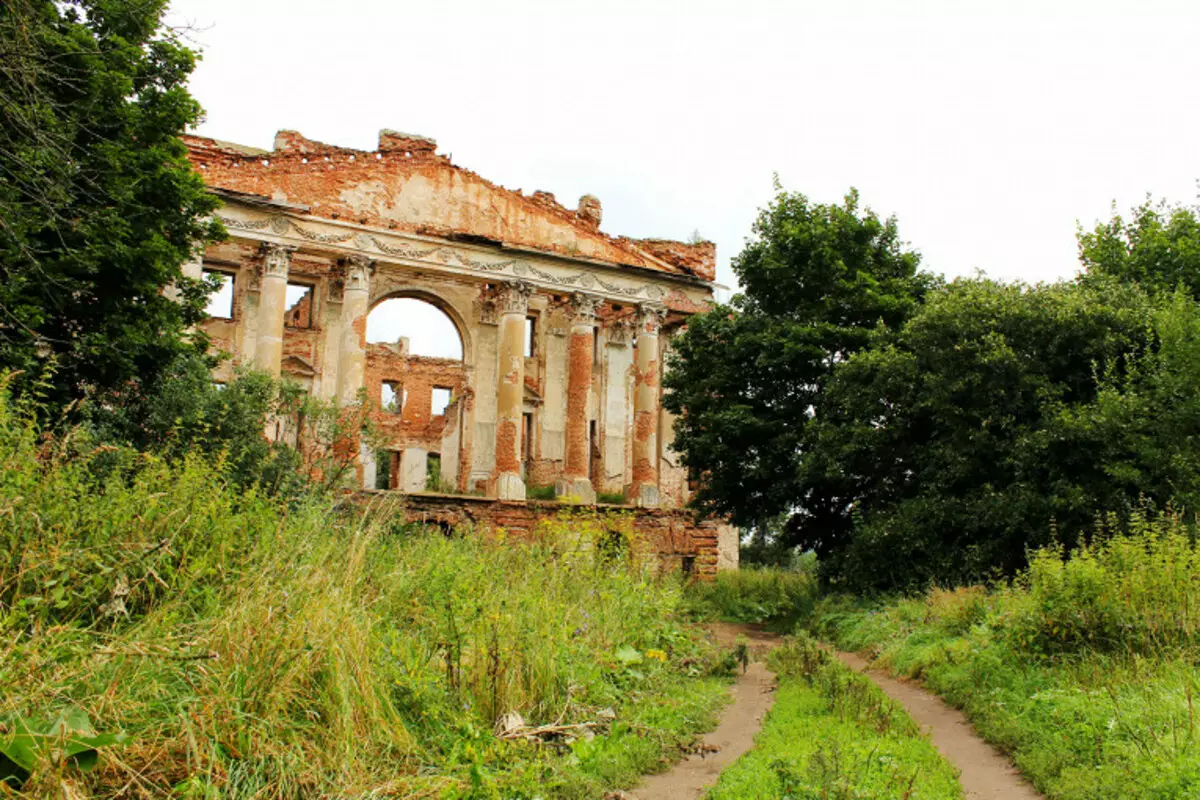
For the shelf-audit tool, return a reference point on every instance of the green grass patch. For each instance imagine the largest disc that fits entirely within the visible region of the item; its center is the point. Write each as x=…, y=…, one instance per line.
x=1084, y=669
x=833, y=734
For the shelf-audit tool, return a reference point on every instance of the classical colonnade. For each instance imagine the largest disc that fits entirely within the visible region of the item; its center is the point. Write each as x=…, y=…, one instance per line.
x=511, y=303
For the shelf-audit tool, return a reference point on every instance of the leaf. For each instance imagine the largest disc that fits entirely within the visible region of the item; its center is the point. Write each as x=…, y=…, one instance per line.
x=628, y=655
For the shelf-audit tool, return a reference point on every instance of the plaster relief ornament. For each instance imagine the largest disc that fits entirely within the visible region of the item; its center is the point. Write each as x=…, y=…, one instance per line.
x=277, y=258
x=513, y=297
x=584, y=307
x=358, y=272
x=650, y=317
x=619, y=332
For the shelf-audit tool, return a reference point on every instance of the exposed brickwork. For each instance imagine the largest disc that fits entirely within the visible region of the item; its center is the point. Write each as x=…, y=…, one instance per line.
x=579, y=386
x=671, y=534
x=406, y=185
x=413, y=423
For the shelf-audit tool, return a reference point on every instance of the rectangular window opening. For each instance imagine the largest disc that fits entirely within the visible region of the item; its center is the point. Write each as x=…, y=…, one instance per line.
x=383, y=468
x=526, y=437
x=299, y=313
x=439, y=401
x=530, y=336
x=391, y=397
x=595, y=344
x=220, y=302
x=433, y=472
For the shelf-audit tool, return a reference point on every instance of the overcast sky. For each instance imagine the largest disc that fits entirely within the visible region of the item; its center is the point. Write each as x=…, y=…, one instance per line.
x=987, y=134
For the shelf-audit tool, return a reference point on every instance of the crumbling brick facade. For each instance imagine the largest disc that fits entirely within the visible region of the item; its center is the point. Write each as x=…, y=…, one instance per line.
x=575, y=406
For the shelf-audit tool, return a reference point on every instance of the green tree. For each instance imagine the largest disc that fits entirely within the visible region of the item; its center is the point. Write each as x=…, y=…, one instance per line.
x=999, y=417
x=1158, y=247
x=98, y=204
x=745, y=380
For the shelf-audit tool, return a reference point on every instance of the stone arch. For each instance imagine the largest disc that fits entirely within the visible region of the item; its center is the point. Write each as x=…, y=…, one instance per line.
x=453, y=314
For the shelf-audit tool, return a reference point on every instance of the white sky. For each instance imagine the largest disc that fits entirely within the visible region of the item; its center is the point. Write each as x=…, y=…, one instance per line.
x=988, y=134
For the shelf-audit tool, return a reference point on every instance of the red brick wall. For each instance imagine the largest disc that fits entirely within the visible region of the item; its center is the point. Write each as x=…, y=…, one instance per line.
x=672, y=535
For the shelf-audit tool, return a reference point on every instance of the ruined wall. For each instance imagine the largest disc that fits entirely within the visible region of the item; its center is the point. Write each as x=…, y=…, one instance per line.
x=406, y=185
x=673, y=535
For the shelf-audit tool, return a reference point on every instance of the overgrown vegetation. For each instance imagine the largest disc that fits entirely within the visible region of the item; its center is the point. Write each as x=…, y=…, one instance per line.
x=832, y=734
x=780, y=596
x=249, y=645
x=1083, y=668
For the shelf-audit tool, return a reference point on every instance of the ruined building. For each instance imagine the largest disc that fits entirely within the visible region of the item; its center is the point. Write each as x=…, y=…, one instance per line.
x=563, y=328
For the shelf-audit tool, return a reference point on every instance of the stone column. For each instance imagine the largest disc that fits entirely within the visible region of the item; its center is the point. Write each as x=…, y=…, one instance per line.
x=272, y=303
x=512, y=305
x=644, y=488
x=352, y=356
x=581, y=349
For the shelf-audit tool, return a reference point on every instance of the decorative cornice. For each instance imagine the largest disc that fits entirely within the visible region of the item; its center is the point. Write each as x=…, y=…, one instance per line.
x=447, y=255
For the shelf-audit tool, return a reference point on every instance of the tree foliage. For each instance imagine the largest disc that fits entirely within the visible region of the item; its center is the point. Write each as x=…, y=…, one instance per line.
x=1157, y=247
x=998, y=417
x=745, y=379
x=98, y=204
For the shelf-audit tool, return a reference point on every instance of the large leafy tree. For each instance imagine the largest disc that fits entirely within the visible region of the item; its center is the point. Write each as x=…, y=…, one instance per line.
x=1001, y=416
x=746, y=380
x=98, y=205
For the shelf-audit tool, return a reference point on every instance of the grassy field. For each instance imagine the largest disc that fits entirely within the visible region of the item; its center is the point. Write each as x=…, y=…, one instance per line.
x=832, y=734
x=1084, y=669
x=164, y=636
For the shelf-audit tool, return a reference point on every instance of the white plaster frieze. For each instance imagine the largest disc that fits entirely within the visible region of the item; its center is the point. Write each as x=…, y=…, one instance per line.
x=256, y=224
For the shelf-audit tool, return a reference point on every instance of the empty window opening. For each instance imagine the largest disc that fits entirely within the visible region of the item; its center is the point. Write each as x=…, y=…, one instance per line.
x=439, y=401
x=427, y=329
x=220, y=302
x=526, y=437
x=433, y=472
x=299, y=312
x=530, y=336
x=391, y=397
x=386, y=466
x=595, y=344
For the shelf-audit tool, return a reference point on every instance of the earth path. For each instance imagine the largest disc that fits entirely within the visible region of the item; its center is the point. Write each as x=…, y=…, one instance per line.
x=985, y=774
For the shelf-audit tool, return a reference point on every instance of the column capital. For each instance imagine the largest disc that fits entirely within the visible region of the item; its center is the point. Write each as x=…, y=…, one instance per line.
x=650, y=317
x=277, y=258
x=357, y=270
x=512, y=297
x=583, y=307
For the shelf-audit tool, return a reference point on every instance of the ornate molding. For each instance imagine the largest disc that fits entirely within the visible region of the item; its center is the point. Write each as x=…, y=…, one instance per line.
x=446, y=255
x=619, y=332
x=512, y=297
x=357, y=270
x=584, y=307
x=276, y=259
x=650, y=317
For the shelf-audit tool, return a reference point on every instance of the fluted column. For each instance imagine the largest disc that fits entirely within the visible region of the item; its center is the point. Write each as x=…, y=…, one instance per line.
x=352, y=356
x=644, y=488
x=581, y=349
x=272, y=303
x=512, y=307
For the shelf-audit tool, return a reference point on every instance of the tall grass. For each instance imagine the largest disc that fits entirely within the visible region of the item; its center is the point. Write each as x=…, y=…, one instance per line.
x=756, y=594
x=250, y=648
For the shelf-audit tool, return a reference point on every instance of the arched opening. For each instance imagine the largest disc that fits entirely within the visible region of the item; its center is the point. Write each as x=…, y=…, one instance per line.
x=416, y=327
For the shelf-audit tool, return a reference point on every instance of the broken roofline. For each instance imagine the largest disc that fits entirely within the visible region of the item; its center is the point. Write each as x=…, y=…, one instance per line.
x=318, y=178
